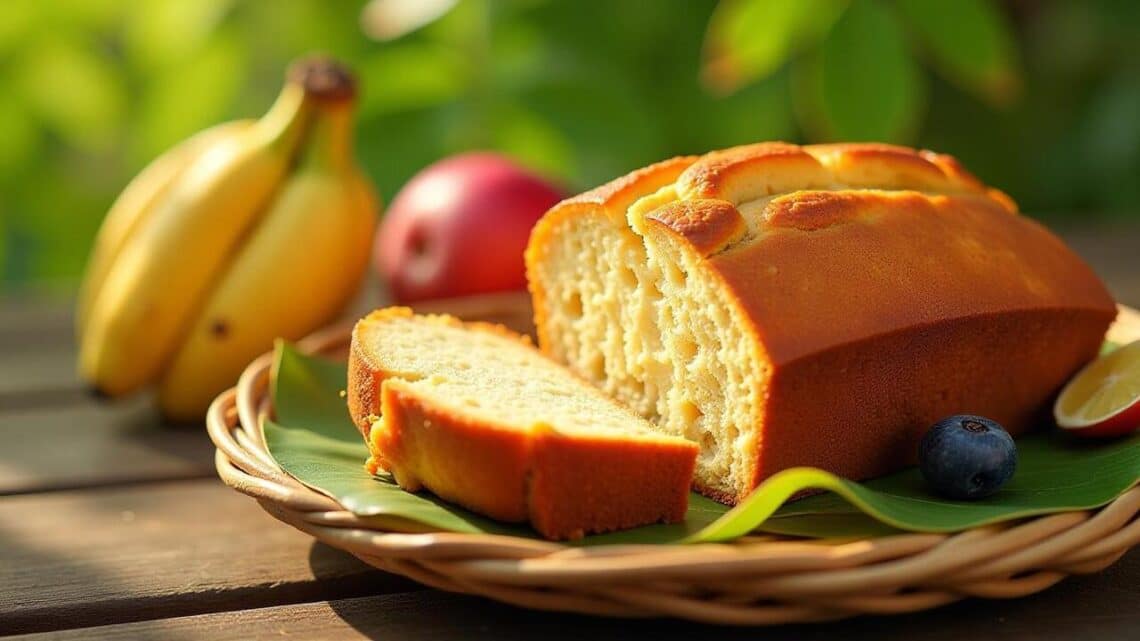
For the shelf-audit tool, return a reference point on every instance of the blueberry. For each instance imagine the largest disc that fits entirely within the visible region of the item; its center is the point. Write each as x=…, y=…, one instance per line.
x=967, y=457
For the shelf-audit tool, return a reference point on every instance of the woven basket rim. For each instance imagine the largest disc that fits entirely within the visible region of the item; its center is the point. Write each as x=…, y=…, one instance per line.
x=759, y=579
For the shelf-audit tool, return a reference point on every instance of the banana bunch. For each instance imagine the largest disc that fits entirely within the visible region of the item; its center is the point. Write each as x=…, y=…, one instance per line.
x=245, y=232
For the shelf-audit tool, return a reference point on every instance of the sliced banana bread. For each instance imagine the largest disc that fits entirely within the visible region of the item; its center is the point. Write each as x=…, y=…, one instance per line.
x=475, y=414
x=819, y=305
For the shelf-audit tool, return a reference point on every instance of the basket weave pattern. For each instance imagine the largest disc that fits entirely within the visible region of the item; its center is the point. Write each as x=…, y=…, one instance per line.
x=756, y=580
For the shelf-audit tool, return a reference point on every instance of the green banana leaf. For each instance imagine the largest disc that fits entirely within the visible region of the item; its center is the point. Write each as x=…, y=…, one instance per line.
x=314, y=440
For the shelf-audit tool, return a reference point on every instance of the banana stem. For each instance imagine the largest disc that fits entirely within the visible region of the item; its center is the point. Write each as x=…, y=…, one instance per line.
x=323, y=78
x=329, y=143
x=310, y=84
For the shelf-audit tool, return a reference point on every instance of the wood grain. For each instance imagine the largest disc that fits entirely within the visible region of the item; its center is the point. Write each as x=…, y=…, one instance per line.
x=1102, y=607
x=94, y=444
x=72, y=559
x=38, y=319
x=38, y=347
x=39, y=374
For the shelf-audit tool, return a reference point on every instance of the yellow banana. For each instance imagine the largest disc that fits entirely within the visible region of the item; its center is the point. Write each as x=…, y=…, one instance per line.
x=134, y=207
x=297, y=271
x=164, y=272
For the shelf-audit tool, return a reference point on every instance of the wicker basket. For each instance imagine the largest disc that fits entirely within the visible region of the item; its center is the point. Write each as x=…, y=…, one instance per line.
x=756, y=580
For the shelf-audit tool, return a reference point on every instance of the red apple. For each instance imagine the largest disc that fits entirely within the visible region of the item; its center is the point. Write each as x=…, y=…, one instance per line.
x=460, y=226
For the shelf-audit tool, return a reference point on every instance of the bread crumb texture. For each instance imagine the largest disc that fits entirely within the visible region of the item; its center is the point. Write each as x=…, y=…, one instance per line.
x=784, y=305
x=477, y=415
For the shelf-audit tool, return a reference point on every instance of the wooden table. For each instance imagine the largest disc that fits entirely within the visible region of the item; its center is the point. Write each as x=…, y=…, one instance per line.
x=114, y=526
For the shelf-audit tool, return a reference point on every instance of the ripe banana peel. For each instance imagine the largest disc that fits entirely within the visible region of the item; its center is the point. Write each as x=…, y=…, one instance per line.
x=244, y=233
x=140, y=196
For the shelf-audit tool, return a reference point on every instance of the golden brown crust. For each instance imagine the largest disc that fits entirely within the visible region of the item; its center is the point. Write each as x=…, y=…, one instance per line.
x=1003, y=199
x=581, y=486
x=951, y=168
x=893, y=269
x=814, y=210
x=707, y=225
x=746, y=173
x=751, y=172
x=564, y=485
x=888, y=167
x=364, y=377
x=458, y=457
x=881, y=312
x=897, y=261
x=860, y=409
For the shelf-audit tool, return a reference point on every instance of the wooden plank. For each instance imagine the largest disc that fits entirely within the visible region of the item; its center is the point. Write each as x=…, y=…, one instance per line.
x=35, y=316
x=1102, y=607
x=95, y=444
x=38, y=374
x=38, y=346
x=73, y=559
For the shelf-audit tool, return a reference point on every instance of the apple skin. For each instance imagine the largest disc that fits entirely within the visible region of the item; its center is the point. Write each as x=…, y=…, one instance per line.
x=460, y=227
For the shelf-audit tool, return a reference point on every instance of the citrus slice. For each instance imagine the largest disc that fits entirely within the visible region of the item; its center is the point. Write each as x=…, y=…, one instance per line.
x=1103, y=399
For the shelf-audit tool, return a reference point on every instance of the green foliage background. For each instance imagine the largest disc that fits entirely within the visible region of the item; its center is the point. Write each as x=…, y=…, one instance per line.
x=1039, y=98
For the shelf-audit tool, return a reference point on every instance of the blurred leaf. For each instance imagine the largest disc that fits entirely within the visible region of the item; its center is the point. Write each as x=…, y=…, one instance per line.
x=1067, y=39
x=278, y=32
x=5, y=239
x=760, y=111
x=1000, y=147
x=971, y=44
x=17, y=20
x=1113, y=125
x=18, y=133
x=80, y=15
x=394, y=146
x=520, y=55
x=159, y=33
x=862, y=84
x=189, y=95
x=1110, y=141
x=76, y=91
x=749, y=40
x=534, y=141
x=67, y=211
x=611, y=131
x=466, y=22
x=410, y=76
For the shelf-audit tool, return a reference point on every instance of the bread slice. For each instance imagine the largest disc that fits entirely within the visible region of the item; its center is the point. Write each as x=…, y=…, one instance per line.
x=819, y=305
x=475, y=414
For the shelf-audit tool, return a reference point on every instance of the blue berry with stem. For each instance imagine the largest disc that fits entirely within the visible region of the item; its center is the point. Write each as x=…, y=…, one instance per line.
x=967, y=457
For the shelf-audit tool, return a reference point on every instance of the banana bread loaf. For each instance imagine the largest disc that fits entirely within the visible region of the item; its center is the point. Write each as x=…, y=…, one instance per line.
x=820, y=305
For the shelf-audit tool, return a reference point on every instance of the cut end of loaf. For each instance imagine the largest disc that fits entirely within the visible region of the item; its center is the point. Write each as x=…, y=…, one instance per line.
x=652, y=329
x=475, y=414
